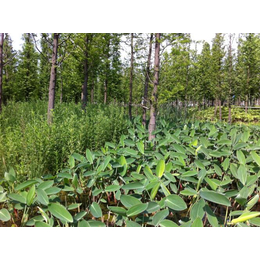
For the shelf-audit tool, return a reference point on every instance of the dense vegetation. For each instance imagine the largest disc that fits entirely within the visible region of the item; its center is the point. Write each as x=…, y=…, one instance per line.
x=197, y=174
x=116, y=142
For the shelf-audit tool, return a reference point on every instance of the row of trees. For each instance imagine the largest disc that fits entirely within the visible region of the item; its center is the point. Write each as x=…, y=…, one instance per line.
x=117, y=68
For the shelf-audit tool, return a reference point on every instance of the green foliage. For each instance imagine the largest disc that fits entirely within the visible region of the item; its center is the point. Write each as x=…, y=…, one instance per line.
x=34, y=148
x=188, y=176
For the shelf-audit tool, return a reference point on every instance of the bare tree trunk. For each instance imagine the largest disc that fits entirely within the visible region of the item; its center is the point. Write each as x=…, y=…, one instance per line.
x=131, y=77
x=53, y=78
x=220, y=110
x=85, y=85
x=147, y=78
x=153, y=110
x=1, y=68
x=216, y=107
x=246, y=103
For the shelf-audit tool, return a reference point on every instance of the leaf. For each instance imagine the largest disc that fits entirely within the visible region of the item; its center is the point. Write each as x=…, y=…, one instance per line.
x=140, y=146
x=256, y=157
x=167, y=223
x=25, y=185
x=188, y=192
x=52, y=190
x=118, y=210
x=112, y=188
x=160, y=168
x=175, y=202
x=148, y=173
x=215, y=197
x=80, y=215
x=74, y=206
x=42, y=197
x=129, y=151
x=91, y=223
x=60, y=212
x=30, y=196
x=45, y=185
x=17, y=197
x=152, y=207
x=159, y=216
x=136, y=209
x=242, y=174
x=95, y=210
x=211, y=216
x=133, y=186
x=241, y=157
x=71, y=162
x=245, y=216
x=165, y=190
x=197, y=223
x=89, y=156
x=130, y=223
x=41, y=224
x=129, y=201
x=154, y=190
x=197, y=210
x=4, y=215
x=252, y=202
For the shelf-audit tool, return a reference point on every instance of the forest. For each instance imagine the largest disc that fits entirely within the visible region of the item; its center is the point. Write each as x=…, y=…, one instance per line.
x=129, y=130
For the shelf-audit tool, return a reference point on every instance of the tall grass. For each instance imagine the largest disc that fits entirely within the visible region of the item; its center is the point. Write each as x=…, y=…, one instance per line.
x=35, y=148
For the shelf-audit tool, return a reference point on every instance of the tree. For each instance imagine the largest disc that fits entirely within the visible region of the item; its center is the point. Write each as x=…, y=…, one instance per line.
x=131, y=77
x=147, y=79
x=1, y=67
x=53, y=78
x=218, y=54
x=153, y=110
x=27, y=71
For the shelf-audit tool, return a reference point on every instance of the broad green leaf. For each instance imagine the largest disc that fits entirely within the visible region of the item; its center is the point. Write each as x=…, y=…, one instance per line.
x=17, y=197
x=25, y=185
x=52, y=190
x=41, y=224
x=129, y=201
x=175, y=202
x=242, y=174
x=112, y=188
x=154, y=190
x=136, y=209
x=148, y=173
x=188, y=192
x=252, y=202
x=30, y=196
x=165, y=190
x=245, y=216
x=130, y=223
x=241, y=157
x=118, y=210
x=42, y=197
x=211, y=216
x=189, y=173
x=152, y=207
x=197, y=210
x=160, y=168
x=95, y=210
x=256, y=157
x=74, y=206
x=197, y=223
x=255, y=222
x=129, y=151
x=4, y=215
x=215, y=197
x=60, y=212
x=89, y=156
x=140, y=146
x=167, y=223
x=80, y=215
x=45, y=185
x=159, y=216
x=91, y=223
x=71, y=162
x=133, y=186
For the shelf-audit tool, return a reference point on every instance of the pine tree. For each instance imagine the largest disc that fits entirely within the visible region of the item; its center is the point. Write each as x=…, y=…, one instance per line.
x=27, y=74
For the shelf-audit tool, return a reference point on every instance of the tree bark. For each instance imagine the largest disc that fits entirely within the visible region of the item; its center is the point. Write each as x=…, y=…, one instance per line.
x=53, y=78
x=131, y=77
x=220, y=110
x=85, y=85
x=153, y=110
x=147, y=79
x=92, y=92
x=1, y=68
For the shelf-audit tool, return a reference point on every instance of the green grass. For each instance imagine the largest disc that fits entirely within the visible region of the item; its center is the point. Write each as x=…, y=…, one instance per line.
x=34, y=148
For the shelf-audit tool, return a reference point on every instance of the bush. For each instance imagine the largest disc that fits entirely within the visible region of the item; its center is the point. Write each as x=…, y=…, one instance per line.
x=35, y=148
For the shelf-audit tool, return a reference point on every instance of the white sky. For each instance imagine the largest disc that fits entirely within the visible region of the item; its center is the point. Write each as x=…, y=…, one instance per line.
x=200, y=36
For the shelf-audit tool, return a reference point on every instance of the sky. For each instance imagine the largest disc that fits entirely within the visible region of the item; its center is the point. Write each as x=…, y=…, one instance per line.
x=199, y=36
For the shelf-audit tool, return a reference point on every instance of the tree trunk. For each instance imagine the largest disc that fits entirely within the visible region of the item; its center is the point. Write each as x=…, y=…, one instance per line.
x=61, y=85
x=216, y=107
x=53, y=78
x=153, y=110
x=147, y=78
x=1, y=68
x=220, y=110
x=131, y=77
x=85, y=85
x=92, y=92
